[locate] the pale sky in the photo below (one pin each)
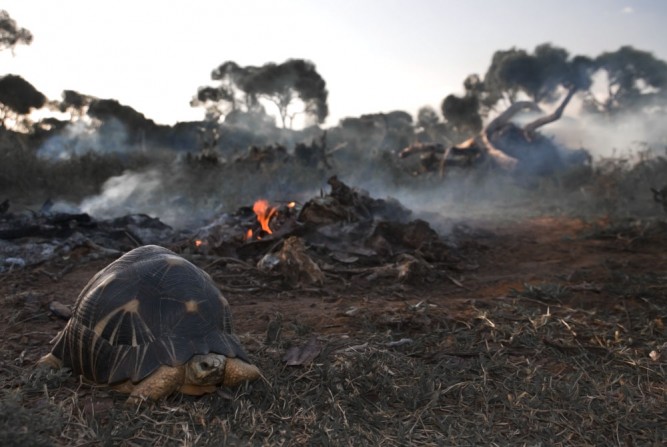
(375, 55)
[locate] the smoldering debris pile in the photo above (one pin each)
(34, 237)
(345, 231)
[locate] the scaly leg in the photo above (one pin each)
(51, 361)
(161, 383)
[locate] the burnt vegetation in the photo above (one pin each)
(511, 293)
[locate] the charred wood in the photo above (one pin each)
(530, 128)
(58, 225)
(505, 145)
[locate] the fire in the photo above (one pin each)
(264, 213)
(199, 243)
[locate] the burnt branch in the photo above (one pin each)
(504, 118)
(420, 148)
(531, 127)
(501, 159)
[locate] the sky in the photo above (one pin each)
(375, 55)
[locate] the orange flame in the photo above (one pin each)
(199, 243)
(264, 213)
(248, 234)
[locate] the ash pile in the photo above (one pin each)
(31, 238)
(343, 234)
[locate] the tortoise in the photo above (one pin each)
(149, 324)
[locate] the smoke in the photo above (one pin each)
(622, 135)
(188, 192)
(84, 136)
(131, 192)
(145, 192)
(476, 193)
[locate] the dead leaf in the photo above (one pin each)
(345, 258)
(302, 355)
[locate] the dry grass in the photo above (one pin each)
(523, 371)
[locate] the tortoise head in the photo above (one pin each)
(215, 369)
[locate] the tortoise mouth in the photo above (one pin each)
(237, 371)
(217, 369)
(207, 369)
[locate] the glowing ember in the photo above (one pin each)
(199, 243)
(291, 205)
(264, 213)
(248, 234)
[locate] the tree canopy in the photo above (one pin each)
(10, 34)
(538, 75)
(635, 78)
(19, 96)
(622, 80)
(242, 88)
(462, 113)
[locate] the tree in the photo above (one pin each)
(18, 96)
(506, 145)
(377, 132)
(429, 128)
(427, 118)
(635, 79)
(75, 103)
(462, 113)
(230, 95)
(295, 79)
(135, 123)
(242, 88)
(539, 75)
(10, 34)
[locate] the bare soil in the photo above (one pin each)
(544, 331)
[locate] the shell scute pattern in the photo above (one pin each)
(148, 308)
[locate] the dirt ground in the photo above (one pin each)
(544, 331)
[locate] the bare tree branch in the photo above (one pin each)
(530, 128)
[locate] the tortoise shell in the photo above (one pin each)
(149, 308)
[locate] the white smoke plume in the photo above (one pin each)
(130, 192)
(604, 137)
(140, 193)
(83, 136)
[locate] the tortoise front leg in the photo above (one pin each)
(161, 383)
(51, 361)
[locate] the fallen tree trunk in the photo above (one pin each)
(502, 143)
(530, 128)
